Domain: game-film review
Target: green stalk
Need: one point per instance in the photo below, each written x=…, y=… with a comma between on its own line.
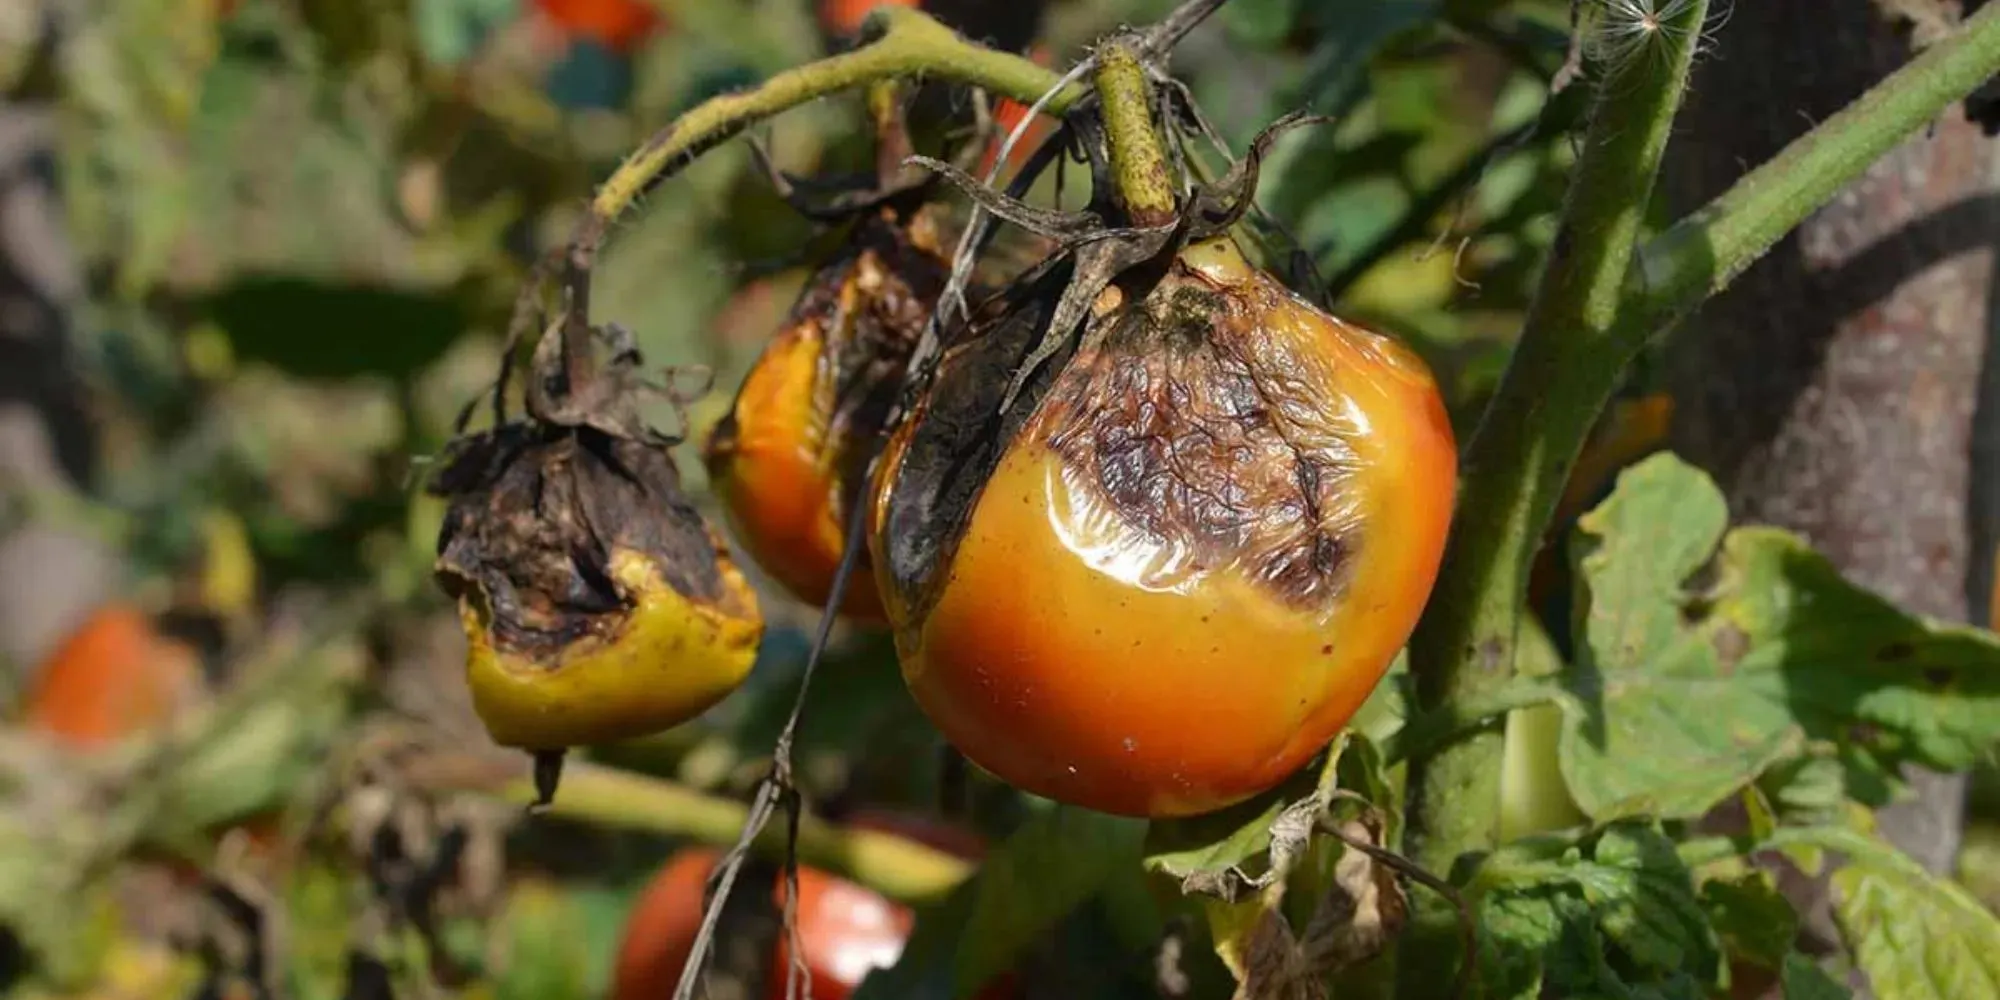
x=1138, y=162
x=1561, y=375
x=1704, y=252
x=912, y=45
x=1581, y=333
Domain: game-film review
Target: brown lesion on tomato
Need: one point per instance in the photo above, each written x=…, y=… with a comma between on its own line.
x=536, y=513
x=1200, y=431
x=861, y=314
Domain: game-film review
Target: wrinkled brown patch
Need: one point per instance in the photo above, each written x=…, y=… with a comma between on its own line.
x=959, y=433
x=536, y=512
x=865, y=309
x=1196, y=427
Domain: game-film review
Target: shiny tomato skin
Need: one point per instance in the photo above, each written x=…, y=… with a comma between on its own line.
x=846, y=930
x=115, y=676
x=619, y=25
x=1055, y=658
x=779, y=482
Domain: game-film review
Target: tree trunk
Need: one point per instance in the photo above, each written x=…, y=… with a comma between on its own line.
x=1833, y=390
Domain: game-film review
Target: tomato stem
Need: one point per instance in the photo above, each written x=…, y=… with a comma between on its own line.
x=1138, y=163
x=1600, y=302
x=897, y=867
x=1561, y=375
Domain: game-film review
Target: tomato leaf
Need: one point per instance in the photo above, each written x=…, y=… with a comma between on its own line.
x=1612, y=914
x=1051, y=865
x=1804, y=980
x=1917, y=937
x=1753, y=919
x=1684, y=695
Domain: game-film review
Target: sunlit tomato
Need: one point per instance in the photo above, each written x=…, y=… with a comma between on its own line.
x=846, y=930
x=789, y=461
x=597, y=603
x=843, y=18
x=619, y=25
x=115, y=676
x=1182, y=562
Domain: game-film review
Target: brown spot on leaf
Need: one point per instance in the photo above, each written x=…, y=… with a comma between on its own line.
x=1730, y=643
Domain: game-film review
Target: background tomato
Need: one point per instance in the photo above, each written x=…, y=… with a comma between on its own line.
x=846, y=930
x=115, y=676
x=619, y=25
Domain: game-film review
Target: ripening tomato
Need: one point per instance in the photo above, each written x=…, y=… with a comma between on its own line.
x=843, y=18
x=115, y=676
x=1176, y=567
x=619, y=25
x=846, y=929
x=788, y=462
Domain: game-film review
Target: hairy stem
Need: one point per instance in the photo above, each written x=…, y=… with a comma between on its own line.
x=1138, y=161
x=1703, y=253
x=1564, y=370
x=894, y=866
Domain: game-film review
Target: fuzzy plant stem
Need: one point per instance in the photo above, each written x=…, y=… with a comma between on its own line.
x=1138, y=160
x=1598, y=304
x=1565, y=368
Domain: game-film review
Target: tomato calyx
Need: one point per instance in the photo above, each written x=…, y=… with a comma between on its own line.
x=585, y=578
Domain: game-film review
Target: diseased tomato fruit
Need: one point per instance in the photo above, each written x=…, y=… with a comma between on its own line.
x=115, y=676
x=1170, y=571
x=619, y=25
x=843, y=18
x=789, y=459
x=597, y=603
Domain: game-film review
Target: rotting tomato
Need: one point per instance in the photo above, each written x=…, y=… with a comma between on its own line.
x=597, y=603
x=116, y=675
x=1175, y=566
x=789, y=460
x=846, y=931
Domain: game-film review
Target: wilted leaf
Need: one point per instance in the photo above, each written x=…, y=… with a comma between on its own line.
x=1049, y=867
x=1614, y=914
x=1917, y=937
x=1687, y=695
x=1232, y=851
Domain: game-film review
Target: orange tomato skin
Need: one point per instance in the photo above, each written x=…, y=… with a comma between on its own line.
x=778, y=481
x=1071, y=655
x=845, y=929
x=843, y=18
x=620, y=25
x=115, y=676
x=1008, y=113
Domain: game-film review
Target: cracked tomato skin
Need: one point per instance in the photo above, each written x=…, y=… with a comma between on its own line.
x=1084, y=647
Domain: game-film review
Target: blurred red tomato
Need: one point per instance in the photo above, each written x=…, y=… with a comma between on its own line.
x=619, y=25
x=1008, y=113
x=842, y=18
x=846, y=929
x=115, y=676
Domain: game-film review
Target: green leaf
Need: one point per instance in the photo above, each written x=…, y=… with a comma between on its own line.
x=1753, y=919
x=1917, y=937
x=1051, y=865
x=1612, y=914
x=1685, y=695
x=1803, y=979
